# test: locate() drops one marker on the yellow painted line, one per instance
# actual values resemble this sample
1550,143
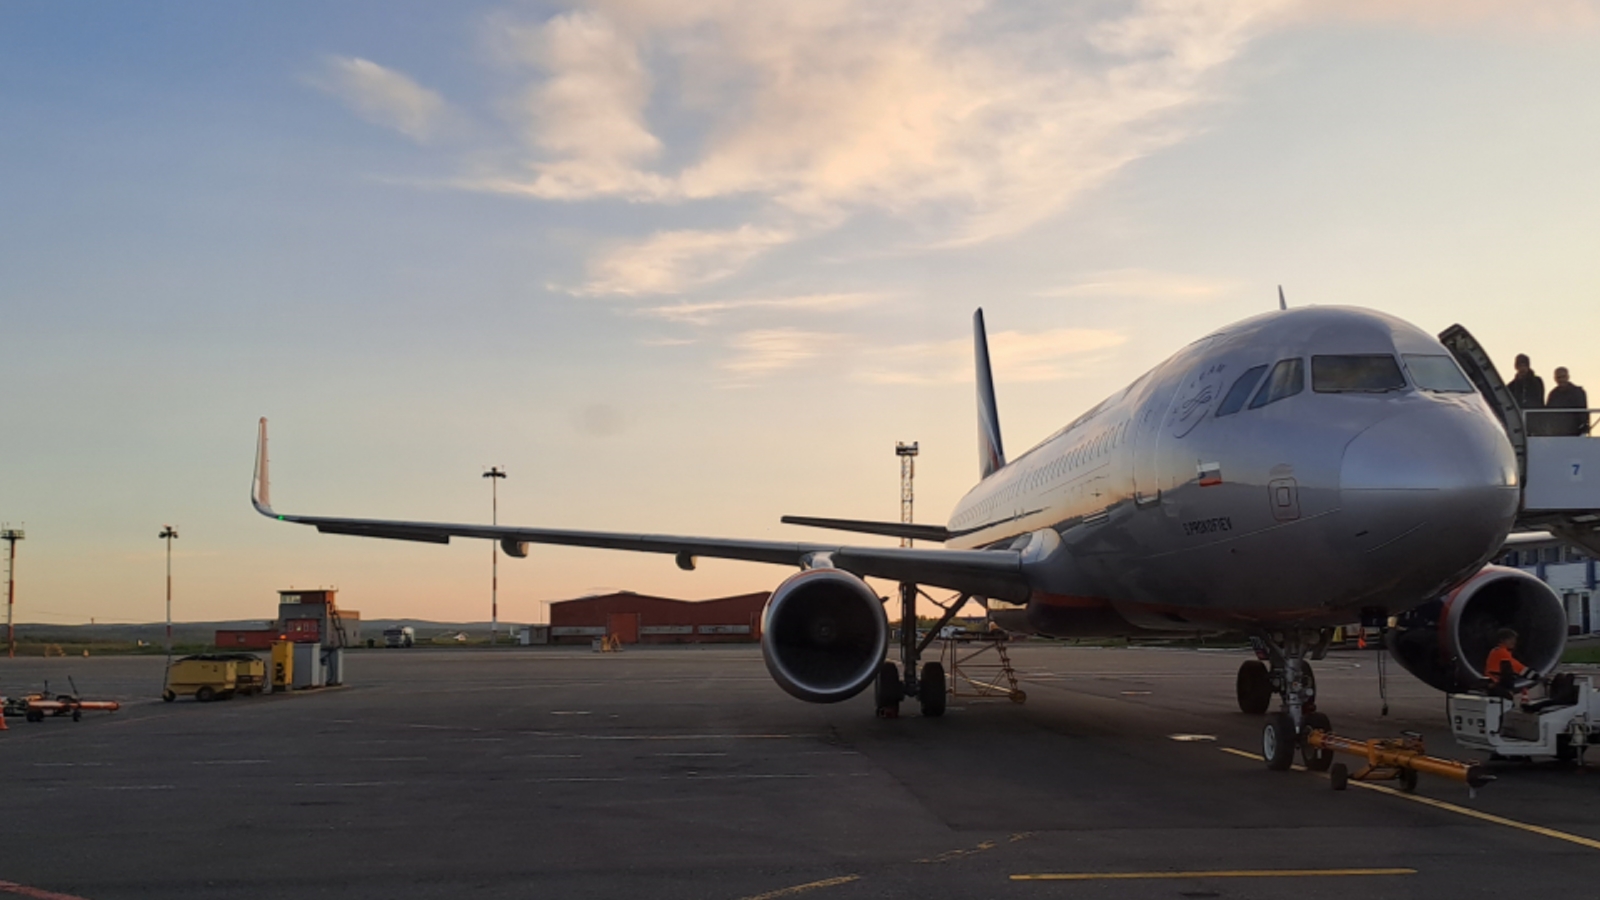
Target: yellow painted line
1483,816
1213,873
1529,827
803,888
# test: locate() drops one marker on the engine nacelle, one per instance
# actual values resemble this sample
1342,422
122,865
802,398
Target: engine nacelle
823,635
1446,642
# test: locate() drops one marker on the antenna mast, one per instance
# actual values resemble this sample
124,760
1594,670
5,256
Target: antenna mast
908,472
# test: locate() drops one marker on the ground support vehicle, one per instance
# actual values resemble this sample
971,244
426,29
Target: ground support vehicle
210,676
1562,724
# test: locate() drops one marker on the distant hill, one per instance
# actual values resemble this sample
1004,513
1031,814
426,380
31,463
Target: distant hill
204,632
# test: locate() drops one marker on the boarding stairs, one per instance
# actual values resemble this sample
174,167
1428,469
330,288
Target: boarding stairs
1560,474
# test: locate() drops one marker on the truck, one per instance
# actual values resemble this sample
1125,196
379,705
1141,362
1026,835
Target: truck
403,636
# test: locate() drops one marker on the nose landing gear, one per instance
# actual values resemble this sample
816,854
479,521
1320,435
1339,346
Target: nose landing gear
1290,677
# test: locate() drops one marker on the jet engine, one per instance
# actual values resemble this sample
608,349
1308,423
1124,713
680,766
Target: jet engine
1447,641
823,635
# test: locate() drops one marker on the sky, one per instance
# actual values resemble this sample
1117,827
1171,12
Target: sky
686,267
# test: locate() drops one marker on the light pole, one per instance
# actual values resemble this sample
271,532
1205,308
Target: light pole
494,475
168,534
11,536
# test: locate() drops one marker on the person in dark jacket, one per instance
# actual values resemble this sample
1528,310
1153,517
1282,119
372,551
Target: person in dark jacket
1566,395
1528,390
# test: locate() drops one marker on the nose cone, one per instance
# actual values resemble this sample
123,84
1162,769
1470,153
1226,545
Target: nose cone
1429,492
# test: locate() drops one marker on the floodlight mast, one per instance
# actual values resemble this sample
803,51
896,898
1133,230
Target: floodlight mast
168,534
11,536
494,475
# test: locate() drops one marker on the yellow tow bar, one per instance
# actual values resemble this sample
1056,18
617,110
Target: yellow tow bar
1393,759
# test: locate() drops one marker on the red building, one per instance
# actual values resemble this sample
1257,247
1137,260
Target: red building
642,619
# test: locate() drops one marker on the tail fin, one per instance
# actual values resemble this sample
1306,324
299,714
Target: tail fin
260,487
991,454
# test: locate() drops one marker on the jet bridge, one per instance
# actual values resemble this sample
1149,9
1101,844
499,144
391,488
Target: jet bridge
1559,473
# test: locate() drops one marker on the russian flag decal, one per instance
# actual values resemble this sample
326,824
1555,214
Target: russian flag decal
1210,473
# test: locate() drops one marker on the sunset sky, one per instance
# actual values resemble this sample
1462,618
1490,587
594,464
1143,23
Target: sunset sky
686,266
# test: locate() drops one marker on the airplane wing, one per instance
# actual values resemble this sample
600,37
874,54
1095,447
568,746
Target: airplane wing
987,573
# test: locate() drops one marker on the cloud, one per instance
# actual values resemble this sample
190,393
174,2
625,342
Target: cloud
1494,16
705,312
1016,356
1144,285
965,121
383,96
763,352
670,262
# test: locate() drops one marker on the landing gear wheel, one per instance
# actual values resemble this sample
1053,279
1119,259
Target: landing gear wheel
888,691
1318,759
205,694
1278,742
1339,776
1408,780
1254,687
930,692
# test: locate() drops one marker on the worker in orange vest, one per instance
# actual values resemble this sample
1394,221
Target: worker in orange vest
1502,653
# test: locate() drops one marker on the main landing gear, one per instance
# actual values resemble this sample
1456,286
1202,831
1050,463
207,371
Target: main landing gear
1281,668
930,688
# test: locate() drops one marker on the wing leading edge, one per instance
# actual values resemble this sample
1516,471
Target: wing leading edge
988,573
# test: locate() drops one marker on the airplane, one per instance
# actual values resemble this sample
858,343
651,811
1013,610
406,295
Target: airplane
1293,472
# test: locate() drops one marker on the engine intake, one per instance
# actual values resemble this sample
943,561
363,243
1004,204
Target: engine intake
1446,642
823,635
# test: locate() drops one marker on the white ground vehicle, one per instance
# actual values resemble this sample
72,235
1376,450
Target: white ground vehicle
405,636
1563,724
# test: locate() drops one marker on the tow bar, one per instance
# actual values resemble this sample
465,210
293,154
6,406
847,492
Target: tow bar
1394,759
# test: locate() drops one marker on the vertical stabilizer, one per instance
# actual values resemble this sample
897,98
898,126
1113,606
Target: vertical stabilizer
260,486
991,453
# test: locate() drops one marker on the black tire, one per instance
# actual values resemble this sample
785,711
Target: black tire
1278,742
34,715
168,696
930,692
1318,759
1565,751
1339,776
889,690
1408,780
1254,687
77,715
205,694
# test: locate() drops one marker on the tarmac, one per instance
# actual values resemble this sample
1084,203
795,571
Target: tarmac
683,772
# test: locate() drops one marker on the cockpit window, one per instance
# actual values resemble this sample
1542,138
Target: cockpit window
1368,373
1240,392
1287,379
1437,373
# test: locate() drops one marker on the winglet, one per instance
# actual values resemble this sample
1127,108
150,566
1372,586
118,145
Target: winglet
991,454
260,488
1281,303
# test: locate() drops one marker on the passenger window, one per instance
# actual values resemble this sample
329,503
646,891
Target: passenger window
1240,392
1374,373
1437,373
1287,379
